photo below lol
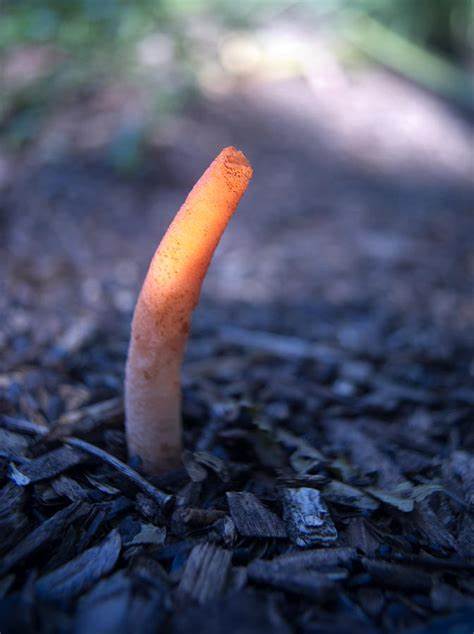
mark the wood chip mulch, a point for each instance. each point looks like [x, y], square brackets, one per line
[327, 486]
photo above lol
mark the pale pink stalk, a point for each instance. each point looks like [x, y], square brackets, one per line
[162, 315]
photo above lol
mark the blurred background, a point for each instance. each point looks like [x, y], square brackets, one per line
[357, 118]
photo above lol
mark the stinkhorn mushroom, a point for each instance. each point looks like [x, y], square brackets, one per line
[163, 311]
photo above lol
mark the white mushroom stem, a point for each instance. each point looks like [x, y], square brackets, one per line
[163, 311]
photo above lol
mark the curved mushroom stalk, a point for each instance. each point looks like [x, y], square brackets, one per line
[163, 311]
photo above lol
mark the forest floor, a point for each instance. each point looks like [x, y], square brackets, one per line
[328, 478]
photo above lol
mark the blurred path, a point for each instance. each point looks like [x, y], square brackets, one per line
[362, 197]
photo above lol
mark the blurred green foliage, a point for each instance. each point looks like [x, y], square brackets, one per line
[77, 24]
[94, 41]
[86, 27]
[90, 42]
[445, 26]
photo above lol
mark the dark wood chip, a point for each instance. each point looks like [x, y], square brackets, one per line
[12, 445]
[445, 598]
[364, 452]
[246, 612]
[465, 539]
[86, 419]
[360, 537]
[371, 600]
[311, 584]
[398, 577]
[315, 559]
[148, 508]
[198, 464]
[46, 532]
[307, 518]
[69, 488]
[46, 466]
[205, 574]
[120, 604]
[435, 533]
[430, 562]
[252, 518]
[13, 521]
[311, 573]
[462, 467]
[148, 534]
[80, 573]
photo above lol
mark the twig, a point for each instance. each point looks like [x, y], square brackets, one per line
[279, 345]
[22, 425]
[434, 563]
[164, 500]
[79, 333]
[85, 419]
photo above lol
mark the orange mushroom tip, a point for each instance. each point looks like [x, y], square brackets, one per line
[163, 311]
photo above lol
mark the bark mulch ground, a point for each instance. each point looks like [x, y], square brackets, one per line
[325, 487]
[328, 478]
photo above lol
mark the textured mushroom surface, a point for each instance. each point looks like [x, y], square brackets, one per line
[162, 315]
